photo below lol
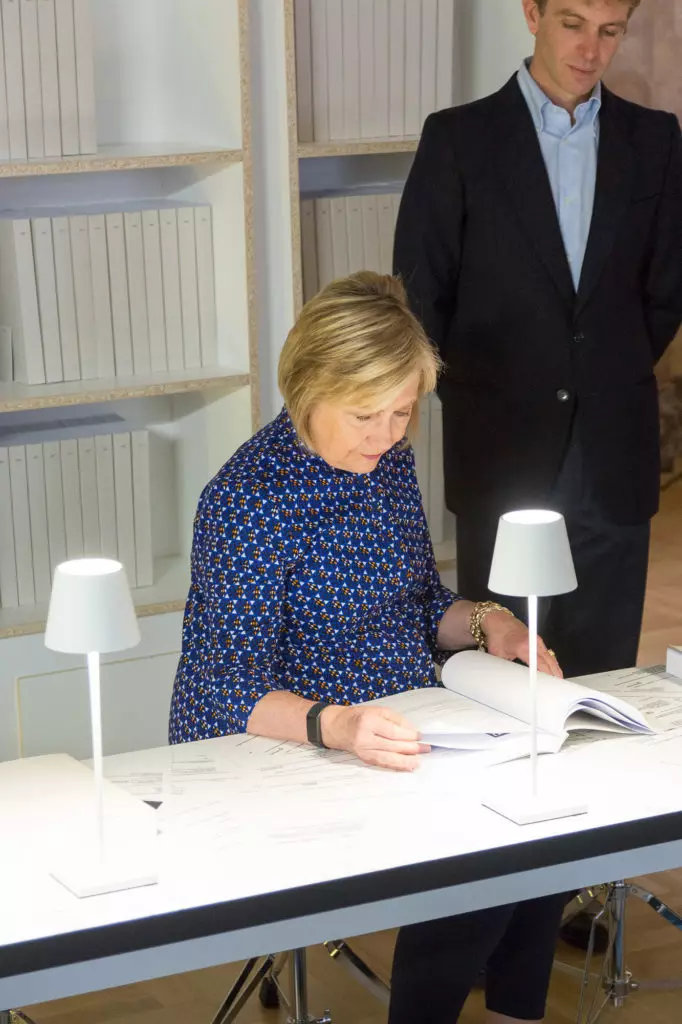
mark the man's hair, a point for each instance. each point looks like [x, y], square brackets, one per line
[355, 342]
[632, 4]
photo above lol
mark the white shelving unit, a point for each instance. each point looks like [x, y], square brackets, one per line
[343, 166]
[174, 124]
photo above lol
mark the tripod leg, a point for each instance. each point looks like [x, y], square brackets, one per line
[236, 998]
[338, 949]
[299, 992]
[661, 908]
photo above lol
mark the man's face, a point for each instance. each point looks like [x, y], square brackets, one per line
[575, 42]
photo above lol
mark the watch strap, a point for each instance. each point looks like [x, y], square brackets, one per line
[313, 724]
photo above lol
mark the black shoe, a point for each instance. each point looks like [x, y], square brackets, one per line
[576, 932]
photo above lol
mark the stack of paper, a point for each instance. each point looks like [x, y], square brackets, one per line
[372, 68]
[103, 293]
[47, 89]
[81, 496]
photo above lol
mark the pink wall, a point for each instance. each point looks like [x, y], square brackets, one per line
[648, 68]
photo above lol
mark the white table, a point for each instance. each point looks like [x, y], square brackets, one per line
[267, 847]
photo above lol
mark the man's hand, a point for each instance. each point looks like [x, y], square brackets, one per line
[376, 735]
[508, 638]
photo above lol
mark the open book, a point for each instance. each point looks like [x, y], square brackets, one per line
[485, 704]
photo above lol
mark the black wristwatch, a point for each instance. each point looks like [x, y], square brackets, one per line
[313, 724]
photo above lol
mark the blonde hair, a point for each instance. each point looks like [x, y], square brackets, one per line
[356, 341]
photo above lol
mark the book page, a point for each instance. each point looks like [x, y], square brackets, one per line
[504, 686]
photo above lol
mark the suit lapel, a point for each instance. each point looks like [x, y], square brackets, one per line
[521, 167]
[615, 175]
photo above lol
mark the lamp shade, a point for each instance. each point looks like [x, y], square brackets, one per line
[91, 609]
[532, 556]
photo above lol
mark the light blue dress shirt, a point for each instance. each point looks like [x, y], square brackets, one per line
[570, 154]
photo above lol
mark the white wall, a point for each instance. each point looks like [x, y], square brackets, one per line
[494, 41]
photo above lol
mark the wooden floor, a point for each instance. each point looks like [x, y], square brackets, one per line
[654, 947]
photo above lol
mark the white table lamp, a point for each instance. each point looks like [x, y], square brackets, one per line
[91, 612]
[532, 559]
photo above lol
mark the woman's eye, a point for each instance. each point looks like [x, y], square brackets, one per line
[404, 415]
[362, 419]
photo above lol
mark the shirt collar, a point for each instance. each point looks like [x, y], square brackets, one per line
[541, 106]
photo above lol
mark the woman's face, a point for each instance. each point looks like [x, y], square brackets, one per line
[355, 437]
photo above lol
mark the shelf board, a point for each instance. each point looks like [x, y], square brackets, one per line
[120, 158]
[14, 397]
[168, 594]
[358, 147]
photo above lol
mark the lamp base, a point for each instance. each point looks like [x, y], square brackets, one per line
[525, 809]
[93, 877]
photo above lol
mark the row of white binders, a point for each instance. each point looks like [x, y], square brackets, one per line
[47, 88]
[84, 496]
[372, 68]
[343, 234]
[122, 292]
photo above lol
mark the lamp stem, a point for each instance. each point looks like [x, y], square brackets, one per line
[533, 666]
[96, 730]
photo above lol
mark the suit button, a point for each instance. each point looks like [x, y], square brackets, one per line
[563, 395]
[578, 337]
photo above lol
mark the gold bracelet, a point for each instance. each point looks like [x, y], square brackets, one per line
[478, 613]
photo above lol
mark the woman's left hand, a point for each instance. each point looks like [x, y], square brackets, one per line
[508, 638]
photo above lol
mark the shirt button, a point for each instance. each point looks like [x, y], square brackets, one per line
[563, 395]
[578, 337]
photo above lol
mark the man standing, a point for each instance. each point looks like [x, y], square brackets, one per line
[540, 241]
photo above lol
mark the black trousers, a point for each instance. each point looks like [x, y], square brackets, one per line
[436, 963]
[595, 628]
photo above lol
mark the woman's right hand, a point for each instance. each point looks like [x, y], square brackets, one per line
[376, 735]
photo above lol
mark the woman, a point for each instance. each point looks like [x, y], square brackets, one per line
[314, 587]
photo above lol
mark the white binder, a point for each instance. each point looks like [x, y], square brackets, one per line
[87, 467]
[366, 70]
[66, 298]
[106, 495]
[356, 247]
[380, 122]
[203, 231]
[396, 68]
[137, 292]
[335, 67]
[66, 70]
[9, 591]
[170, 266]
[19, 299]
[37, 502]
[22, 524]
[325, 251]
[142, 504]
[49, 78]
[41, 231]
[413, 60]
[85, 76]
[4, 126]
[54, 495]
[101, 296]
[33, 100]
[318, 36]
[445, 54]
[351, 69]
[304, 70]
[14, 79]
[309, 249]
[84, 291]
[386, 218]
[125, 517]
[339, 236]
[120, 310]
[151, 242]
[429, 52]
[189, 295]
[370, 232]
[73, 513]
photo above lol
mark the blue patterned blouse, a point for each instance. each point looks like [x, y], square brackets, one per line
[304, 578]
